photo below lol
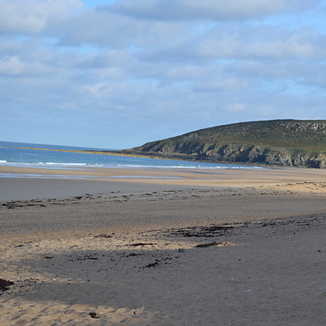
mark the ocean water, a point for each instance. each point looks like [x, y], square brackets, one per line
[12, 154]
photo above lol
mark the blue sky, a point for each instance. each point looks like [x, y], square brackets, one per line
[117, 74]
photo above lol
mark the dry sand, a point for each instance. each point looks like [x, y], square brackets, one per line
[168, 247]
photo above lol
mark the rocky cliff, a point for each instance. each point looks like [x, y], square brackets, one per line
[277, 142]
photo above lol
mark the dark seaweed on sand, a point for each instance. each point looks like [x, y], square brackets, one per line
[4, 284]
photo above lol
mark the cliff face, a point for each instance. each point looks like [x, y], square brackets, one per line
[278, 142]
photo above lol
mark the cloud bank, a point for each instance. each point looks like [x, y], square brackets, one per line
[216, 10]
[122, 74]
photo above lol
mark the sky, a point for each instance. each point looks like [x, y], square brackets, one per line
[117, 74]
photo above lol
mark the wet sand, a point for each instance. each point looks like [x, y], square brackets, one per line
[135, 247]
[31, 183]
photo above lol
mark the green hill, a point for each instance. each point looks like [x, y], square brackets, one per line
[275, 142]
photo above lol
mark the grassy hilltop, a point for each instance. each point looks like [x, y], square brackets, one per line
[275, 142]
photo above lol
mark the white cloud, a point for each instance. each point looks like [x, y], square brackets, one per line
[221, 84]
[107, 29]
[230, 42]
[32, 16]
[207, 9]
[13, 66]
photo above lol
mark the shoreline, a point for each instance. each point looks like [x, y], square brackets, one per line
[105, 152]
[61, 183]
[152, 155]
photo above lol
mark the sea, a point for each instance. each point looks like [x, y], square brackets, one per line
[34, 155]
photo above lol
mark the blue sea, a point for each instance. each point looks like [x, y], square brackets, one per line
[12, 154]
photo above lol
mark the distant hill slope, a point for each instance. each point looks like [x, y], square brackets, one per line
[275, 142]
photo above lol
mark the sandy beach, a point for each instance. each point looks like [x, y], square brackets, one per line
[163, 247]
